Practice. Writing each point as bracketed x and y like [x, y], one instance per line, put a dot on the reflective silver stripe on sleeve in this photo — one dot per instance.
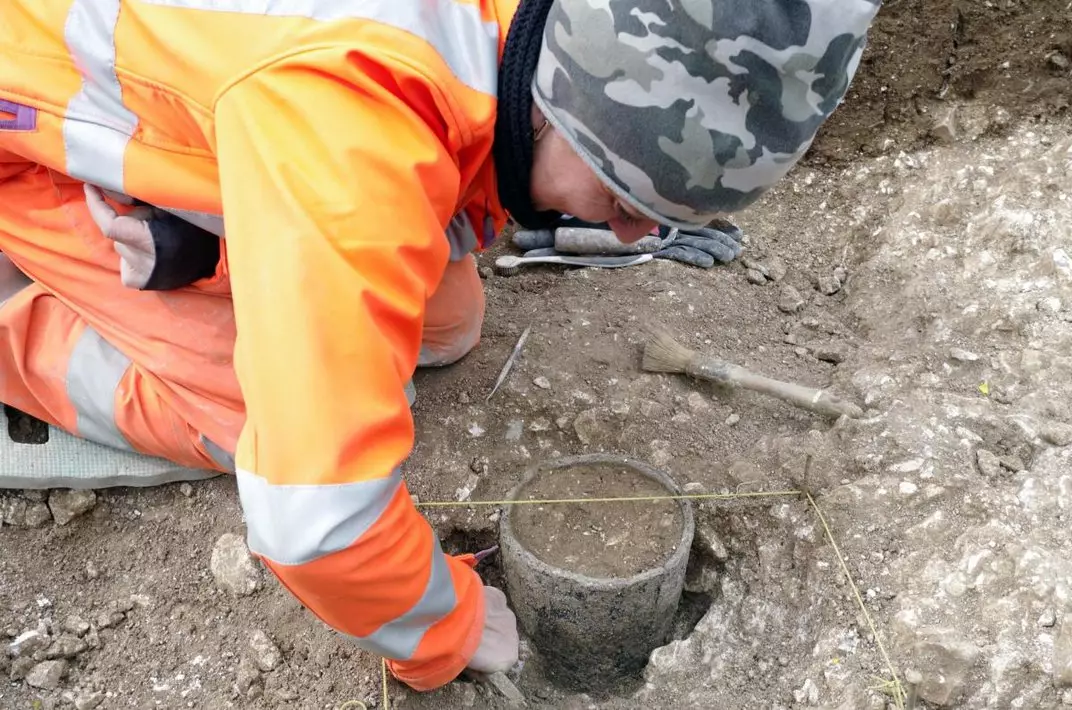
[468, 44]
[295, 524]
[93, 375]
[12, 280]
[223, 459]
[399, 639]
[209, 222]
[97, 126]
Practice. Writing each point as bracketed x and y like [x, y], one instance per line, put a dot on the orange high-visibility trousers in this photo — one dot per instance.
[140, 370]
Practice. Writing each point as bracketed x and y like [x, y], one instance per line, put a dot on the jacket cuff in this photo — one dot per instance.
[447, 666]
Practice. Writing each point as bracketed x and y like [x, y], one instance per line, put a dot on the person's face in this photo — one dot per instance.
[563, 182]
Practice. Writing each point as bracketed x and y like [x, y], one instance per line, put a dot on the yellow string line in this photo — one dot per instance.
[898, 690]
[634, 499]
[383, 672]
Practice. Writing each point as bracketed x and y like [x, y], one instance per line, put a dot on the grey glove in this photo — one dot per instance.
[720, 242]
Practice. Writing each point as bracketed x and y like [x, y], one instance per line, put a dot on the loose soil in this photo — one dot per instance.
[941, 188]
[607, 540]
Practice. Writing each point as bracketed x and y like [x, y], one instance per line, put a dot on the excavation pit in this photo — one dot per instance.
[595, 584]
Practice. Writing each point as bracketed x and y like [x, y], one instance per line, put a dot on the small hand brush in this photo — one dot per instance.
[664, 354]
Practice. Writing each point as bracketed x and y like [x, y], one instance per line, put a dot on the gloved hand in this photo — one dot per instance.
[499, 645]
[157, 250]
[719, 242]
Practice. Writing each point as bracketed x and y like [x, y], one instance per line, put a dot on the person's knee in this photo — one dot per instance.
[454, 316]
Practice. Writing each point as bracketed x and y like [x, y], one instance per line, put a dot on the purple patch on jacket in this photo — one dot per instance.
[25, 117]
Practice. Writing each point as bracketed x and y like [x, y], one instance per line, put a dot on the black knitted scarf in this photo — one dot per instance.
[513, 146]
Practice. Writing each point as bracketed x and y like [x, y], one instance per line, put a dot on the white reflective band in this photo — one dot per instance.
[468, 45]
[295, 524]
[97, 126]
[223, 459]
[398, 639]
[93, 375]
[12, 280]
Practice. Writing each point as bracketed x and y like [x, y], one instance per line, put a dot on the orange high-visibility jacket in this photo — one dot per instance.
[348, 145]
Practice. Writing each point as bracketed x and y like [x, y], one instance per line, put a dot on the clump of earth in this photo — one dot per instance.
[918, 262]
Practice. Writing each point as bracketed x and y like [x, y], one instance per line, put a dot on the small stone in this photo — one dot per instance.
[619, 407]
[486, 272]
[108, 619]
[266, 654]
[1012, 463]
[1050, 304]
[989, 464]
[1047, 619]
[944, 129]
[732, 419]
[475, 430]
[462, 494]
[92, 571]
[37, 515]
[514, 429]
[47, 674]
[506, 687]
[562, 422]
[808, 694]
[835, 353]
[1056, 433]
[20, 667]
[542, 382]
[540, 424]
[962, 355]
[35, 495]
[828, 285]
[68, 504]
[463, 398]
[1066, 698]
[480, 465]
[66, 646]
[29, 642]
[776, 268]
[1057, 60]
[13, 511]
[88, 700]
[186, 489]
[694, 488]
[790, 300]
[907, 488]
[76, 625]
[589, 427]
[232, 566]
[753, 265]
[247, 675]
[755, 277]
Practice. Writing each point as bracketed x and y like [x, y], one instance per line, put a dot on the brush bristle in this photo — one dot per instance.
[664, 354]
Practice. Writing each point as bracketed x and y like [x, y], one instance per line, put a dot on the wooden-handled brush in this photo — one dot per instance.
[664, 354]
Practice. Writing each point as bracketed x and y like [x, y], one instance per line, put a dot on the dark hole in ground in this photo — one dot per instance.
[25, 429]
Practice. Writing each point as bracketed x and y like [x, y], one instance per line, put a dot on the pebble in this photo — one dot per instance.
[266, 654]
[247, 675]
[463, 398]
[542, 382]
[962, 355]
[76, 625]
[486, 272]
[753, 265]
[20, 667]
[835, 353]
[989, 464]
[540, 424]
[35, 495]
[945, 127]
[1050, 304]
[828, 285]
[1047, 619]
[47, 674]
[108, 619]
[13, 512]
[514, 429]
[37, 514]
[29, 643]
[790, 300]
[732, 419]
[694, 488]
[588, 426]
[506, 687]
[697, 403]
[88, 700]
[755, 277]
[475, 430]
[907, 488]
[186, 489]
[776, 268]
[1058, 60]
[233, 567]
[66, 646]
[66, 505]
[1056, 433]
[1012, 463]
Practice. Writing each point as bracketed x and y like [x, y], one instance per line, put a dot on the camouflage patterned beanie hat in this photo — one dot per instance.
[689, 108]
